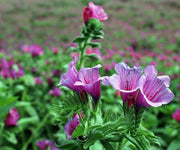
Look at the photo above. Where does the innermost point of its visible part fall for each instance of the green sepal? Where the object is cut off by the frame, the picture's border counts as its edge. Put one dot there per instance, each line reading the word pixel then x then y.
pixel 78 131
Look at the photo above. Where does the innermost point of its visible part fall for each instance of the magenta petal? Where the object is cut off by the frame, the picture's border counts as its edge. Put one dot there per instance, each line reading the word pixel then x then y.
pixel 150 71
pixel 165 79
pixel 70 77
pixel 71 126
pixel 129 77
pixel 176 115
pixel 155 92
pixel 114 80
pixel 12 117
pixel 98 12
pixel 89 75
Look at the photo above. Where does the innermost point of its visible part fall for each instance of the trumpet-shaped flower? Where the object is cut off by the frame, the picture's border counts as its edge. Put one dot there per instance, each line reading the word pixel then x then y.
pixel 127 82
pixel 176 115
pixel 12 117
pixel 86 80
pixel 140 90
pixel 154 89
pixel 90 81
pixel 69 78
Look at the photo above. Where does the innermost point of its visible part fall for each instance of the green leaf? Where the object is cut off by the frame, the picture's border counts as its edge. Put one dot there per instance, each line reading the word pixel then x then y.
pixel 11 138
pixel 74 49
pixel 174 145
pixel 28 80
pixel 92 56
pixel 68 145
pixel 79 39
pixel 94 136
pixel 93 45
pixel 96 37
pixel 78 131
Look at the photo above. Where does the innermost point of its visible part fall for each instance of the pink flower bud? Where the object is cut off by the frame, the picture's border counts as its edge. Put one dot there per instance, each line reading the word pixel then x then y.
pixel 87 14
pixel 12 117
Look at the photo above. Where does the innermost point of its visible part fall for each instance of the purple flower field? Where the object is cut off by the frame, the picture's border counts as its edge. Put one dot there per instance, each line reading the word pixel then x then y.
pixel 90 75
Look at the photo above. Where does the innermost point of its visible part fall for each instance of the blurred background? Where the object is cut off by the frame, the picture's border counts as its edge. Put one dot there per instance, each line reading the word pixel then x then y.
pixel 139 32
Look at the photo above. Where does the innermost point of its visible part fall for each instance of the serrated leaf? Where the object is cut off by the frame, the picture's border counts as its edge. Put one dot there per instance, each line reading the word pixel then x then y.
pixel 79 39
pixel 78 131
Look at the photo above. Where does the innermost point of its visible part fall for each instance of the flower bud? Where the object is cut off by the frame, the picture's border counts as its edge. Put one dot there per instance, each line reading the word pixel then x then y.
pixel 94 24
pixel 87 14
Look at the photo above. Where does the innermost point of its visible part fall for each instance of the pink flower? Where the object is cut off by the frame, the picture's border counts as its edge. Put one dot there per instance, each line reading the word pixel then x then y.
pixel 176 115
pixel 98 12
pixel 55 92
pixel 89 80
pixel 55 50
pixel 86 80
pixel 12 117
pixel 140 90
pixel 45 144
pixel 94 11
pixel 5 73
pixel 69 78
pixel 71 126
pixel 87 14
pixel 127 82
pixel 154 89
pixel 38 80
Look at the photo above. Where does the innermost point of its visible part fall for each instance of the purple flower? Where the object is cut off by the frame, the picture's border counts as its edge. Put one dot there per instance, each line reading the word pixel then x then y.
pixel 38 80
pixel 55 92
pixel 98 12
pixel 86 80
pixel 12 117
pixel 90 81
pixel 154 89
pixel 140 90
pixel 44 144
pixel 71 126
pixel 5 73
pixel 55 50
pixel 127 81
pixel 176 115
pixel 13 73
pixel 69 78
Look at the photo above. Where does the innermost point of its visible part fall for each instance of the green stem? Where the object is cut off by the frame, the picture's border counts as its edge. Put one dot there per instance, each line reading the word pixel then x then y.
pixel 36 131
pixel 83 52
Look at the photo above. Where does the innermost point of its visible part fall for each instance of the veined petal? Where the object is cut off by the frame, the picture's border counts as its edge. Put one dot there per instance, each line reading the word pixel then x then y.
pixel 70 77
pixel 89 75
pixel 155 90
pixel 150 71
pixel 129 77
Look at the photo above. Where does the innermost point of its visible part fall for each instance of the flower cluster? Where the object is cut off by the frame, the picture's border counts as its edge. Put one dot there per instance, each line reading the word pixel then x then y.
pixel 10 70
pixel 140 89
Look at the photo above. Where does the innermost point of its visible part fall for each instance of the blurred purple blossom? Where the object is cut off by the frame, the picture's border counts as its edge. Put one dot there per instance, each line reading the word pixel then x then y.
pixel 12 117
